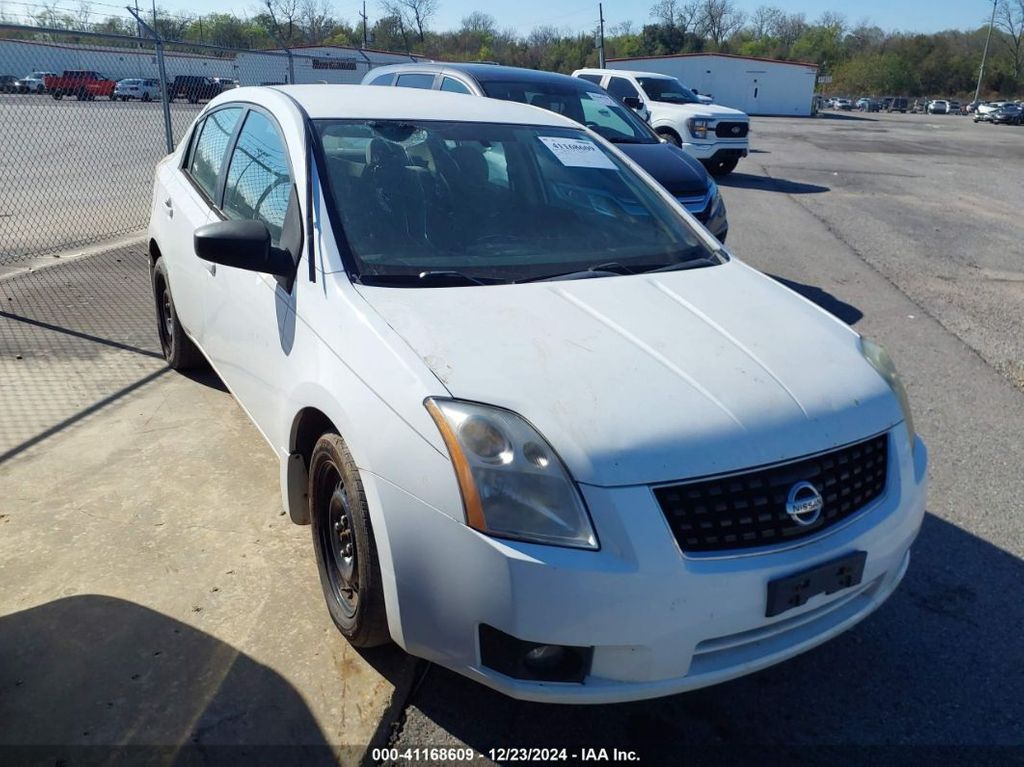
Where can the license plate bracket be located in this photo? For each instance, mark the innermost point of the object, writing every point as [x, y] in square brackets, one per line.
[794, 590]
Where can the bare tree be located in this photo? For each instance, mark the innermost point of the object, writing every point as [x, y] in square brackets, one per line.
[764, 22]
[413, 13]
[675, 14]
[1010, 21]
[479, 23]
[834, 21]
[718, 19]
[284, 15]
[317, 19]
[623, 28]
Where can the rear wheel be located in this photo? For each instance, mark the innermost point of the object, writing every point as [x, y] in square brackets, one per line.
[346, 553]
[58, 95]
[146, 97]
[178, 349]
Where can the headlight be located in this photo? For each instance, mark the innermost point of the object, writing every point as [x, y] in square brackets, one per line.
[698, 127]
[513, 484]
[716, 199]
[881, 361]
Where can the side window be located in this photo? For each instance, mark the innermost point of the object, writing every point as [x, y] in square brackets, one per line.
[208, 152]
[620, 88]
[259, 183]
[386, 79]
[453, 86]
[603, 116]
[416, 80]
[595, 79]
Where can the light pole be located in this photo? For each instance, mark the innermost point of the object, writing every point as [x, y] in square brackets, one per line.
[988, 39]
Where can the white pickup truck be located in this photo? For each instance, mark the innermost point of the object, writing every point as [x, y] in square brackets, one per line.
[715, 135]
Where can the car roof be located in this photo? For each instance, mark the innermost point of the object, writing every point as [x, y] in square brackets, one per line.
[374, 102]
[489, 72]
[631, 72]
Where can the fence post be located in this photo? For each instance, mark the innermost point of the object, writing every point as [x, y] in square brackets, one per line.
[288, 53]
[164, 86]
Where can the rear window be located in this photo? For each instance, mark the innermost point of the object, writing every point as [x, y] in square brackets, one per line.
[416, 80]
[208, 153]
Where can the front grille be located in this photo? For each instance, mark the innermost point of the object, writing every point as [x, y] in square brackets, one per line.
[731, 129]
[747, 510]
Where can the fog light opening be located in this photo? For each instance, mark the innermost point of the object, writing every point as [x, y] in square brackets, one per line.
[533, 661]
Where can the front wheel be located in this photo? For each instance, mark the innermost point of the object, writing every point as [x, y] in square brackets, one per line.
[346, 553]
[671, 137]
[722, 167]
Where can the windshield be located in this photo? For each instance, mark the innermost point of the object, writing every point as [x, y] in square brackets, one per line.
[667, 90]
[595, 109]
[485, 203]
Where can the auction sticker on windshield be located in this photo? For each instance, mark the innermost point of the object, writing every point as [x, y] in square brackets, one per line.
[603, 98]
[577, 152]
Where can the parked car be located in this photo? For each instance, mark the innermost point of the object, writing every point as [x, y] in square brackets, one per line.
[920, 106]
[862, 104]
[147, 89]
[938, 107]
[194, 88]
[681, 175]
[953, 107]
[83, 84]
[34, 82]
[225, 83]
[507, 381]
[715, 135]
[844, 104]
[898, 104]
[8, 84]
[984, 112]
[1007, 114]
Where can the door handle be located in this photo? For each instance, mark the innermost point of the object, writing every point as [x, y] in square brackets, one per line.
[169, 208]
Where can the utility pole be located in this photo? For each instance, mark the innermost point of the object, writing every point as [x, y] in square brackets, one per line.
[364, 16]
[981, 73]
[154, 15]
[600, 45]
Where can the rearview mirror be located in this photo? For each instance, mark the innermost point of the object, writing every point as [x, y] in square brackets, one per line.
[633, 102]
[243, 245]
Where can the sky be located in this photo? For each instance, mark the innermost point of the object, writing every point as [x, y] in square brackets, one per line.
[524, 15]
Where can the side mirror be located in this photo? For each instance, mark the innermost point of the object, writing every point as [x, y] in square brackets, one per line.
[633, 102]
[243, 245]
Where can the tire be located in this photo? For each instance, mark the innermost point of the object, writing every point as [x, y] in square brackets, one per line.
[346, 553]
[58, 95]
[146, 96]
[178, 349]
[720, 168]
[193, 98]
[671, 136]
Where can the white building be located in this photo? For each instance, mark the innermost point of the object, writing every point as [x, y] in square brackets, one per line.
[325, 63]
[755, 86]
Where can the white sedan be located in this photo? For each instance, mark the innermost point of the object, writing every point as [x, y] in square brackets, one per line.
[547, 431]
[143, 89]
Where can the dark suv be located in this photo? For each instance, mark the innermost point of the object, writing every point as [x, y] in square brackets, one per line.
[681, 175]
[194, 88]
[898, 104]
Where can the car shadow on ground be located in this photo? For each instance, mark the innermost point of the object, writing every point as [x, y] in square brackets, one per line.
[848, 313]
[846, 116]
[97, 678]
[769, 184]
[940, 663]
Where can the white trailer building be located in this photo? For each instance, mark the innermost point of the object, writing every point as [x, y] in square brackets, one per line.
[753, 85]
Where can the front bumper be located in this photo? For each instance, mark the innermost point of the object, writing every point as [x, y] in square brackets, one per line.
[716, 150]
[659, 622]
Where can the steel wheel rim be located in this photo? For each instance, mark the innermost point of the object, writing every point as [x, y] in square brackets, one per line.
[337, 539]
[166, 319]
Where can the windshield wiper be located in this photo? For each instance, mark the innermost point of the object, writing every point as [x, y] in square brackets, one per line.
[434, 279]
[693, 263]
[609, 269]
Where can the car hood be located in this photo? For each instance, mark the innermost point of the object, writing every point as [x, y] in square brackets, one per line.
[671, 167]
[651, 378]
[712, 111]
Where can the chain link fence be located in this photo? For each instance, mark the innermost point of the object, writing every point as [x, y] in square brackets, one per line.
[85, 117]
